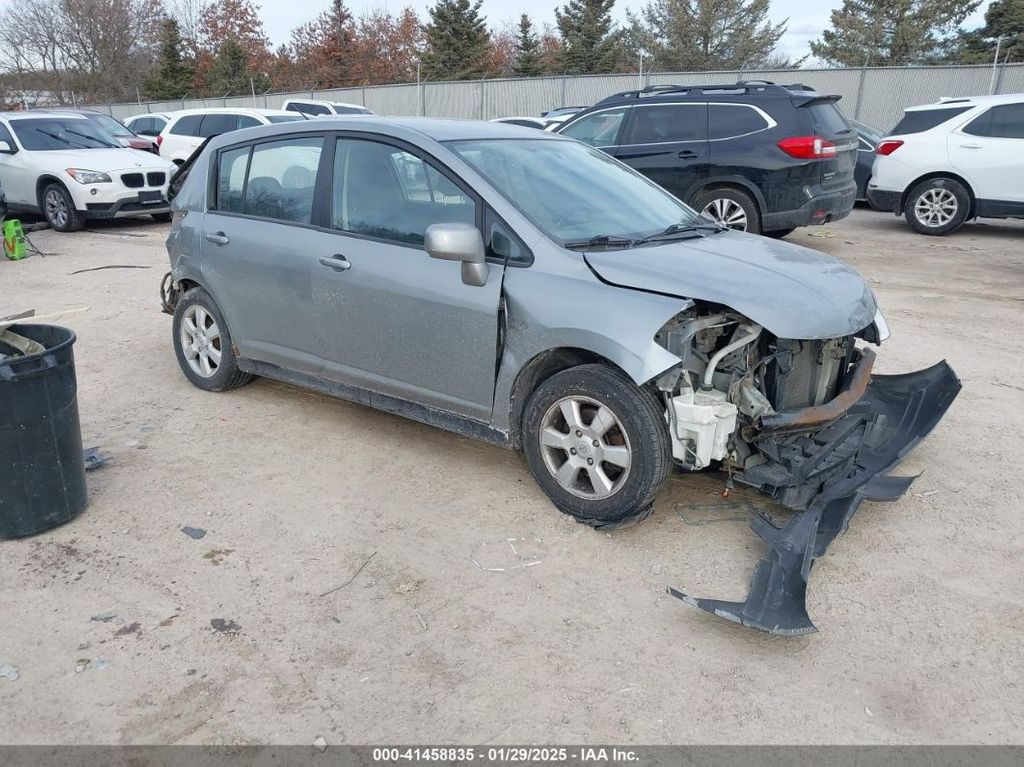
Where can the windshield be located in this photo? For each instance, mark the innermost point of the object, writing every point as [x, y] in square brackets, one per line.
[573, 192]
[871, 134]
[53, 133]
[111, 126]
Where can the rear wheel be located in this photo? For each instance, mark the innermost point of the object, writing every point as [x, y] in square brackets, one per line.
[597, 445]
[730, 207]
[202, 344]
[937, 206]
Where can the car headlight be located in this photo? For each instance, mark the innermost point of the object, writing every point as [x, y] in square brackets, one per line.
[83, 176]
[881, 327]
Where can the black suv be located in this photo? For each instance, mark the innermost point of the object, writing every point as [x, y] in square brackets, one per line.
[755, 156]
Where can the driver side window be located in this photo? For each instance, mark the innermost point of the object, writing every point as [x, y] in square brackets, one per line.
[597, 129]
[383, 191]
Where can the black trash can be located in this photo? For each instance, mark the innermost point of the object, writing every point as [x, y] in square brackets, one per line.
[42, 472]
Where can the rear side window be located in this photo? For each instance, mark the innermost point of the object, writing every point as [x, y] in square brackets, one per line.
[668, 123]
[827, 118]
[231, 179]
[216, 124]
[729, 120]
[1005, 121]
[597, 129]
[187, 126]
[921, 120]
[143, 126]
[244, 121]
[276, 182]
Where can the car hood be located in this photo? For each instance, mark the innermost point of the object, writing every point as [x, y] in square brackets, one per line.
[104, 160]
[791, 291]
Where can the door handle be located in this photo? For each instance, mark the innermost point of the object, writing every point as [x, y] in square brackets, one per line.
[687, 154]
[337, 262]
[218, 238]
[970, 146]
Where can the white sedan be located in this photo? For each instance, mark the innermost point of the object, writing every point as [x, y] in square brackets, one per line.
[63, 167]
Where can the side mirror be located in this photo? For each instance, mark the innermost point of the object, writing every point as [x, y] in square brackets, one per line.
[6, 148]
[459, 242]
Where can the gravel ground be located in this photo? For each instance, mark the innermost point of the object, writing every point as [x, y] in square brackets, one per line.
[357, 582]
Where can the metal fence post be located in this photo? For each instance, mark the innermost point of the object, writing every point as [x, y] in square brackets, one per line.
[561, 103]
[999, 78]
[860, 93]
[480, 106]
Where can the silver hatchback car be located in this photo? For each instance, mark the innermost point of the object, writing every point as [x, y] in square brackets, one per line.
[528, 290]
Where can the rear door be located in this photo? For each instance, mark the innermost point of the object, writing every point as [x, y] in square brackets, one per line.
[260, 248]
[828, 122]
[668, 143]
[989, 152]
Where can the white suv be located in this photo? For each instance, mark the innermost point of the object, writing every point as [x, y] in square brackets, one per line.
[69, 170]
[947, 162]
[313, 108]
[187, 129]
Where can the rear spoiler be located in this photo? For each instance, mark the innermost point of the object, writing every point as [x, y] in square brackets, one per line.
[807, 99]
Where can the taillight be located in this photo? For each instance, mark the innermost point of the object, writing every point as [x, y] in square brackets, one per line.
[886, 148]
[808, 147]
[159, 140]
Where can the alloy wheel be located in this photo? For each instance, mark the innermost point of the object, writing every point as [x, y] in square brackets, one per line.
[56, 208]
[936, 207]
[727, 213]
[585, 447]
[200, 341]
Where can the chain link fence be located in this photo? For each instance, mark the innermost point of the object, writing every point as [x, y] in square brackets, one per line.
[874, 95]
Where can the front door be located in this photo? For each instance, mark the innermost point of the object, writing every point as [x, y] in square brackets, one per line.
[17, 173]
[668, 143]
[989, 151]
[404, 324]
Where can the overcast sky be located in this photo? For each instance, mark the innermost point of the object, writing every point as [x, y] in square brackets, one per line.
[807, 18]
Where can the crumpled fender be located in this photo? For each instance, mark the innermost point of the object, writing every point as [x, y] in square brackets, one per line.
[547, 311]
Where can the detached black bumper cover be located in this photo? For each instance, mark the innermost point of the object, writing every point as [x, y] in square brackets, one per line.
[844, 463]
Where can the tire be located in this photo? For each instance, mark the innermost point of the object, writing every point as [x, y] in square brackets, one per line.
[937, 206]
[163, 218]
[59, 209]
[728, 204]
[778, 234]
[607, 495]
[209, 360]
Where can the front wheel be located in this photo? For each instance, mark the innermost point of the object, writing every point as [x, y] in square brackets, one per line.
[597, 445]
[59, 209]
[937, 206]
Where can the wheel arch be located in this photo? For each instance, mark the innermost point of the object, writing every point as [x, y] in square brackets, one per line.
[540, 368]
[731, 182]
[44, 181]
[940, 174]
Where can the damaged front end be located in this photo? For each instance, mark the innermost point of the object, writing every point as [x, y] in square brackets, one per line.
[804, 422]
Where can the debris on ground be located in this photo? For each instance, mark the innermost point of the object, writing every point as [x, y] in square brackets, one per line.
[320, 744]
[216, 556]
[94, 459]
[99, 664]
[7, 671]
[354, 576]
[110, 266]
[131, 628]
[81, 665]
[502, 556]
[700, 514]
[195, 533]
[222, 626]
[104, 617]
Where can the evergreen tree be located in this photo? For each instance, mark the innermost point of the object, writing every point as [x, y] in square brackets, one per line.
[1004, 21]
[591, 45]
[172, 77]
[686, 35]
[528, 63]
[889, 32]
[457, 41]
[229, 74]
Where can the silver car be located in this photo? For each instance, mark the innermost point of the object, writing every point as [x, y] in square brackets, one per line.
[528, 290]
